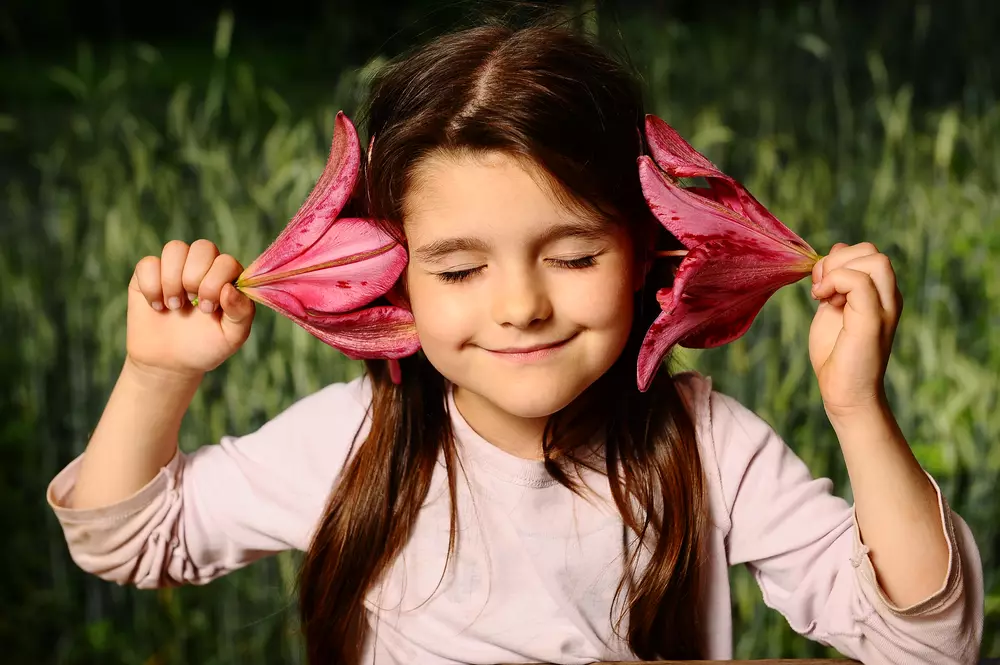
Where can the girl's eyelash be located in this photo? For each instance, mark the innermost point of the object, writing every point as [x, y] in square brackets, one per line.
[458, 275]
[454, 276]
[582, 262]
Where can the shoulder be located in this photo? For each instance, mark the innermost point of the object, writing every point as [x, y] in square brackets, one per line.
[729, 435]
[729, 427]
[333, 407]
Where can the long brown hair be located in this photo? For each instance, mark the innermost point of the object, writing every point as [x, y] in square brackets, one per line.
[549, 95]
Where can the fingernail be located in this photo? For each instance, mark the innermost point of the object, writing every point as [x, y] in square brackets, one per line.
[174, 302]
[207, 306]
[158, 306]
[192, 297]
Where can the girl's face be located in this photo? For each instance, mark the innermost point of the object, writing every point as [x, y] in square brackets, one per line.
[519, 301]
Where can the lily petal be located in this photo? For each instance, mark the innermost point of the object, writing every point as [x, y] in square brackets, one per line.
[373, 332]
[695, 217]
[352, 264]
[739, 254]
[323, 272]
[674, 154]
[717, 293]
[679, 160]
[327, 199]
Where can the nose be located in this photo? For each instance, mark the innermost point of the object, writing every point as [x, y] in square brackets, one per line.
[521, 300]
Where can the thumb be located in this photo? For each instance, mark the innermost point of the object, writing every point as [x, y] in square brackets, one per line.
[237, 314]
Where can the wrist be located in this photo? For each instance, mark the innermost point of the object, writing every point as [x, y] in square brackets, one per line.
[863, 420]
[159, 379]
[874, 406]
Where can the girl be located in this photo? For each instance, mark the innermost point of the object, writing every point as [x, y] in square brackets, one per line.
[516, 498]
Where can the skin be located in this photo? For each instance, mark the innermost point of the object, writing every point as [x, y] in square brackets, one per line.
[528, 285]
[850, 340]
[170, 345]
[519, 270]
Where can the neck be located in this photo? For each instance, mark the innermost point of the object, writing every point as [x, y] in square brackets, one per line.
[521, 437]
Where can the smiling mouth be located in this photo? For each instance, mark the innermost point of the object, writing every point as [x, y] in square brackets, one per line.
[530, 349]
[533, 352]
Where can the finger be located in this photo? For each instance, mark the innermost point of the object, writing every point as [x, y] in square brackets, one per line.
[817, 272]
[237, 314]
[879, 268]
[172, 261]
[224, 270]
[837, 300]
[839, 255]
[146, 279]
[857, 287]
[199, 260]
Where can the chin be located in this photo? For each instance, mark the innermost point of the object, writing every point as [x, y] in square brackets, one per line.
[533, 397]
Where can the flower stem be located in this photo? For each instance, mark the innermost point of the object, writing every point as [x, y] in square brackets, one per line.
[673, 252]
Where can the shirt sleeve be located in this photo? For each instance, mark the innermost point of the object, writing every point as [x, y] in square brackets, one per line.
[803, 547]
[222, 506]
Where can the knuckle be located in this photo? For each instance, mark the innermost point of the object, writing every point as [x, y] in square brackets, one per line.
[175, 246]
[214, 280]
[192, 283]
[194, 269]
[204, 245]
[869, 246]
[227, 260]
[146, 263]
[229, 267]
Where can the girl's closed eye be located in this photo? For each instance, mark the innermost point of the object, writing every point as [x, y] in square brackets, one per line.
[462, 274]
[575, 263]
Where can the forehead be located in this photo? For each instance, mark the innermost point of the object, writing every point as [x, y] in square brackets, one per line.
[485, 194]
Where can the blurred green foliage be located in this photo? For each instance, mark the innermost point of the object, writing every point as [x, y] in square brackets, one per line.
[822, 132]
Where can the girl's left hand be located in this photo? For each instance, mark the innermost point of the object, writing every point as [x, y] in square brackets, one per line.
[851, 335]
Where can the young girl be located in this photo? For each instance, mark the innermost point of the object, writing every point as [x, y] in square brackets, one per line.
[516, 498]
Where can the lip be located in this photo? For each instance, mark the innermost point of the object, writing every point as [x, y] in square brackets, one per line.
[530, 353]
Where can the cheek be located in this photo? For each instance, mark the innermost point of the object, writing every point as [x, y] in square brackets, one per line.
[442, 313]
[601, 299]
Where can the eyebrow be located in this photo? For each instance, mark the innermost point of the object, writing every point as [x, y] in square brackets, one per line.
[437, 250]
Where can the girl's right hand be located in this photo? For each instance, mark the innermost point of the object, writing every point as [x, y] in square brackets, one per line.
[165, 332]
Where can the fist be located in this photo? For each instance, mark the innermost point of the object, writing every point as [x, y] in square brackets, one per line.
[166, 331]
[851, 336]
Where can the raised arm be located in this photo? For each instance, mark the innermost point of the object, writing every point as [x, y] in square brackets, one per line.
[134, 509]
[170, 345]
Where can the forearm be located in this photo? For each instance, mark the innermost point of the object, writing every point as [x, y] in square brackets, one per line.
[135, 437]
[897, 507]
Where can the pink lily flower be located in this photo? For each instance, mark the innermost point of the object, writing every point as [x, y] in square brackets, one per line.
[738, 254]
[324, 272]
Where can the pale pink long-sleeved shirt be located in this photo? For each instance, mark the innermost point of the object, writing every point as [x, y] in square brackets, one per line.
[537, 566]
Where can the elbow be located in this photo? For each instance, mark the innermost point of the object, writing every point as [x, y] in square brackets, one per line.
[139, 571]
